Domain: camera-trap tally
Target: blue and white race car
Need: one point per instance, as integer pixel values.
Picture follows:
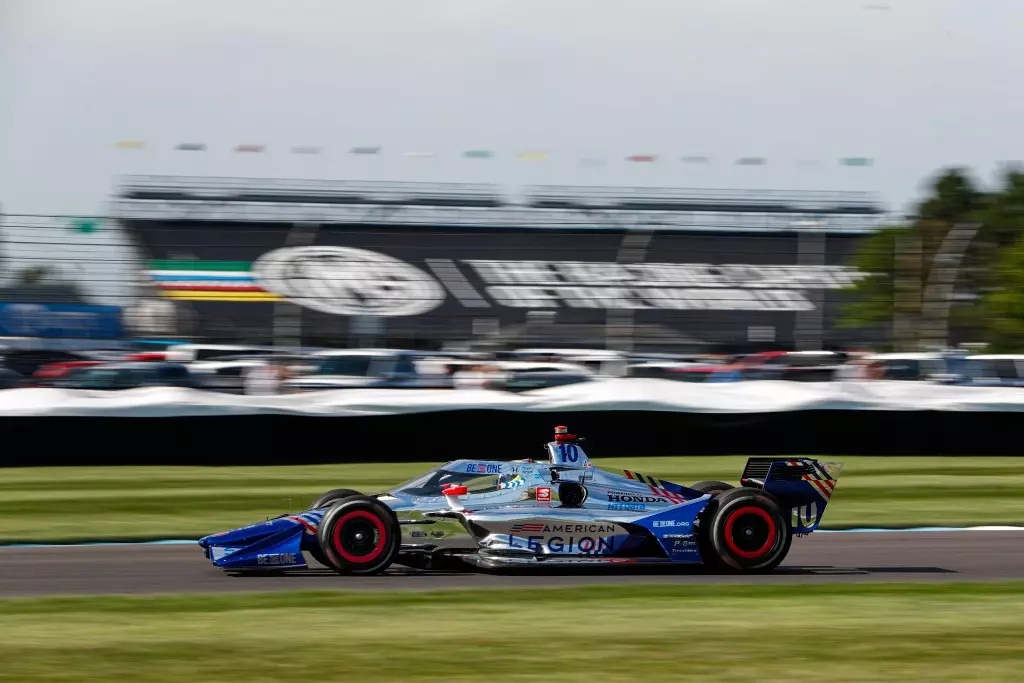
(525, 513)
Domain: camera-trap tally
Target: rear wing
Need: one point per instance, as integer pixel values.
(804, 486)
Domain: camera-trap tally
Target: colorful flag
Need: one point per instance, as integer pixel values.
(130, 144)
(856, 161)
(305, 149)
(533, 156)
(695, 160)
(249, 148)
(751, 161)
(190, 147)
(645, 158)
(365, 150)
(477, 154)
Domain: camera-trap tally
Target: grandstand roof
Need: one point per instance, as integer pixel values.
(331, 201)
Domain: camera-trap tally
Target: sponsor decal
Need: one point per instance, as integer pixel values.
(437, 534)
(418, 534)
(481, 468)
(568, 528)
(627, 506)
(661, 523)
(347, 281)
(543, 494)
(635, 498)
(276, 558)
(585, 545)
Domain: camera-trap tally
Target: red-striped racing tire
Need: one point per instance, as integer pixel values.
(359, 535)
(745, 531)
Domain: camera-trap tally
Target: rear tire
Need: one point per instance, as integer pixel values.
(711, 487)
(359, 535)
(744, 530)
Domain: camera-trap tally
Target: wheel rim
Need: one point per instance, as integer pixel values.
(750, 532)
(360, 537)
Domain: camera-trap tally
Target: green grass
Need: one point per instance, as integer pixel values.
(839, 633)
(97, 503)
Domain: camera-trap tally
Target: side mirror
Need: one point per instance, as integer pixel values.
(454, 490)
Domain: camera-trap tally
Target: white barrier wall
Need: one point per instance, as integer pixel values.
(613, 394)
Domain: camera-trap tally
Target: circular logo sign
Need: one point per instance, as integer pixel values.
(346, 281)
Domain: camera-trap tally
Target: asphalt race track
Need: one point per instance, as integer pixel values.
(852, 557)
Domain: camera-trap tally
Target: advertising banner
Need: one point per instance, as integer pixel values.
(62, 321)
(230, 280)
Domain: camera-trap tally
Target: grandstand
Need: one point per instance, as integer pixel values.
(427, 264)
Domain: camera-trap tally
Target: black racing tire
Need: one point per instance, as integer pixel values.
(330, 497)
(712, 486)
(743, 530)
(359, 535)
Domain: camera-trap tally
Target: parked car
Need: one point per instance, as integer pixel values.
(796, 366)
(9, 379)
(525, 376)
(189, 353)
(920, 367)
(55, 374)
(998, 370)
(361, 369)
(112, 376)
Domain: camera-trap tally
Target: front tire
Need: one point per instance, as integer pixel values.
(744, 530)
(359, 535)
(329, 497)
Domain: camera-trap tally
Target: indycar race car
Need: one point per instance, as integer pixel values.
(562, 511)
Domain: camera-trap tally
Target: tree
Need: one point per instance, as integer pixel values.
(1003, 308)
(899, 261)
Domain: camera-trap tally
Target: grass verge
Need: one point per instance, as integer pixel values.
(930, 632)
(100, 503)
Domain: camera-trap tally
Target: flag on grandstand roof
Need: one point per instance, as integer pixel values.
(250, 148)
(305, 149)
(533, 156)
(477, 154)
(695, 160)
(421, 155)
(592, 162)
(856, 161)
(647, 158)
(365, 150)
(190, 147)
(130, 144)
(751, 161)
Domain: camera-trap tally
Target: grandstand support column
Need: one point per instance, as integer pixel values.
(619, 323)
(288, 316)
(810, 324)
(938, 293)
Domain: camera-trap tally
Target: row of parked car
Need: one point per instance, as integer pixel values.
(230, 368)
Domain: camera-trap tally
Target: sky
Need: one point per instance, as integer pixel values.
(915, 85)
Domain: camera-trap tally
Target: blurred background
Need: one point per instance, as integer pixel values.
(468, 185)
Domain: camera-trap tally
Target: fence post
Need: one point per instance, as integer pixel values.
(938, 294)
(288, 316)
(619, 323)
(810, 324)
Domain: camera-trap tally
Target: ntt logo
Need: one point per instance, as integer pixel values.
(347, 281)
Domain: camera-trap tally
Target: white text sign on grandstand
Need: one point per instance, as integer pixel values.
(346, 281)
